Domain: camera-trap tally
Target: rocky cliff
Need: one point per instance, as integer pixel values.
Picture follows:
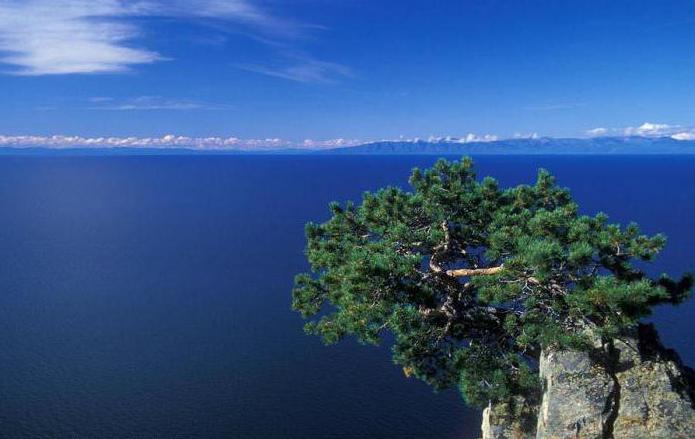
(632, 388)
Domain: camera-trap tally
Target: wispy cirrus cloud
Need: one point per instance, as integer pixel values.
(43, 37)
(51, 37)
(302, 69)
(647, 129)
(152, 103)
(554, 106)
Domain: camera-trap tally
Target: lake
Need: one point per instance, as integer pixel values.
(146, 297)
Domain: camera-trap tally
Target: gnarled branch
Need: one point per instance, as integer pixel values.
(462, 272)
(441, 250)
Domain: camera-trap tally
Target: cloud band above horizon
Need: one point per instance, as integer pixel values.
(231, 143)
(647, 129)
(169, 141)
(212, 143)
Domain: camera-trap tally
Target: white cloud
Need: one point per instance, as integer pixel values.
(647, 129)
(213, 143)
(597, 132)
(331, 143)
(684, 135)
(44, 37)
(526, 136)
(468, 138)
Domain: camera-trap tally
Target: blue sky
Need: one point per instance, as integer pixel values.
(350, 69)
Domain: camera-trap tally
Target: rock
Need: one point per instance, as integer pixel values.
(514, 420)
(632, 388)
(656, 391)
(577, 397)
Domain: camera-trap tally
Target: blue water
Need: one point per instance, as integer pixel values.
(145, 297)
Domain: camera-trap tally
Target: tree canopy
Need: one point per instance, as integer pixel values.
(473, 280)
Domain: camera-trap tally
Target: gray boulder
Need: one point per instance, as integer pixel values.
(631, 388)
(513, 420)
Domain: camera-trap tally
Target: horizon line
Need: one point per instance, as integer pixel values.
(172, 143)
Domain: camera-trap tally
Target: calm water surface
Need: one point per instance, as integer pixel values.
(146, 297)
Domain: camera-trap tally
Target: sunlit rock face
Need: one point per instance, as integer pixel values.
(516, 420)
(632, 388)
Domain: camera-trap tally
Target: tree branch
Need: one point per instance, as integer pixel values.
(461, 272)
(440, 250)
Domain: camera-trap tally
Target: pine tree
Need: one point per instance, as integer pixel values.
(473, 281)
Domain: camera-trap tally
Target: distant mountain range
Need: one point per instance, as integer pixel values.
(543, 145)
(526, 146)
